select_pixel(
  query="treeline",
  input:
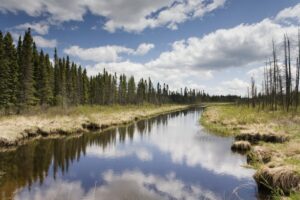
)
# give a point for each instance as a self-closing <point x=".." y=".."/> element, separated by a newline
<point x="280" y="84"/>
<point x="29" y="78"/>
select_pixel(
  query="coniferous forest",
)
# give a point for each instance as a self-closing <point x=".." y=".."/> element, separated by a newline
<point x="29" y="78"/>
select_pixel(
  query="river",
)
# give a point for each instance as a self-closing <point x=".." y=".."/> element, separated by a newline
<point x="167" y="157"/>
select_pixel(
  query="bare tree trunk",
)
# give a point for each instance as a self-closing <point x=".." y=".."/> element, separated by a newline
<point x="297" y="83"/>
<point x="290" y="74"/>
<point x="274" y="76"/>
<point x="297" y="73"/>
<point x="287" y="89"/>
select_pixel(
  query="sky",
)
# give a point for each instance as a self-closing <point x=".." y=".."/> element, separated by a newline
<point x="212" y="45"/>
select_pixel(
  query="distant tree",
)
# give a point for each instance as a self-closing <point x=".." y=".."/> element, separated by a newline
<point x="85" y="88"/>
<point x="131" y="90"/>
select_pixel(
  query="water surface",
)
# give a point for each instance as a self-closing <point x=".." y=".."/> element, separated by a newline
<point x="166" y="157"/>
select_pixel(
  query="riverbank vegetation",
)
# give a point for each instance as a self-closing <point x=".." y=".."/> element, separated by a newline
<point x="269" y="119"/>
<point x="277" y="160"/>
<point x="16" y="129"/>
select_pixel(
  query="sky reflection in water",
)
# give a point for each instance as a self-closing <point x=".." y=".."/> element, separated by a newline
<point x="168" y="157"/>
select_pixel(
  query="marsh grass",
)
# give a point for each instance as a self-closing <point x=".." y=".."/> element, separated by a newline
<point x="71" y="120"/>
<point x="233" y="120"/>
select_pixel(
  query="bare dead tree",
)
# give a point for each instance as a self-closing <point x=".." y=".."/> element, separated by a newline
<point x="274" y="88"/>
<point x="297" y="73"/>
<point x="253" y="92"/>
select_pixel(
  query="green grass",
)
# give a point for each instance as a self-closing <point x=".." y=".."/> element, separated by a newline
<point x="85" y="110"/>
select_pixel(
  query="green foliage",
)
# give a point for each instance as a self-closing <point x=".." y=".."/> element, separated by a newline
<point x="26" y="69"/>
<point x="28" y="78"/>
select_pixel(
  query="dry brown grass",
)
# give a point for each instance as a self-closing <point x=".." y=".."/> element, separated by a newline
<point x="277" y="134"/>
<point x="16" y="128"/>
<point x="259" y="154"/>
<point x="265" y="137"/>
<point x="241" y="146"/>
<point x="283" y="179"/>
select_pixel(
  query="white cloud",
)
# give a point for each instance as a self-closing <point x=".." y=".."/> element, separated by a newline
<point x="109" y="53"/>
<point x="291" y="13"/>
<point x="176" y="78"/>
<point x="131" y="16"/>
<point x="168" y="13"/>
<point x="44" y="43"/>
<point x="236" y="85"/>
<point x="234" y="47"/>
<point x="194" y="59"/>
<point x="41" y="28"/>
<point x="144" y="48"/>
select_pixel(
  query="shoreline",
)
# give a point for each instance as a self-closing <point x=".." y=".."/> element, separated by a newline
<point x="270" y="140"/>
<point x="18" y="130"/>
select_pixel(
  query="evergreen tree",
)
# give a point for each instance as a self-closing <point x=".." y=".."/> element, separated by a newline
<point x="36" y="72"/>
<point x="26" y="69"/>
<point x="44" y="81"/>
<point x="131" y="90"/>
<point x="10" y="55"/>
<point x="85" y="88"/>
<point x="50" y="79"/>
<point x="4" y="76"/>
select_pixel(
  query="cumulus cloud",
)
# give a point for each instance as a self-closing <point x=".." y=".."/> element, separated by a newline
<point x="236" y="85"/>
<point x="234" y="47"/>
<point x="109" y="53"/>
<point x="131" y="16"/>
<point x="41" y="28"/>
<point x="176" y="78"/>
<point x="44" y="43"/>
<point x="144" y="48"/>
<point x="291" y="13"/>
<point x="152" y="14"/>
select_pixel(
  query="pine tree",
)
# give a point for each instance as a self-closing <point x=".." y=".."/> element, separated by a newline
<point x="69" y="88"/>
<point x="85" y="86"/>
<point x="44" y="81"/>
<point x="36" y="73"/>
<point x="26" y="68"/>
<point x="4" y="76"/>
<point x="10" y="55"/>
<point x="131" y="90"/>
<point x="50" y="79"/>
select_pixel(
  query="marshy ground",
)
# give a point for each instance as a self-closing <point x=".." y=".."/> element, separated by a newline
<point x="275" y="144"/>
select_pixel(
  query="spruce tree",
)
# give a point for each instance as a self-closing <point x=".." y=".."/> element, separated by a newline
<point x="131" y="90"/>
<point x="10" y="55"/>
<point x="26" y="69"/>
<point x="4" y="76"/>
<point x="85" y="88"/>
<point x="36" y="73"/>
<point x="44" y="81"/>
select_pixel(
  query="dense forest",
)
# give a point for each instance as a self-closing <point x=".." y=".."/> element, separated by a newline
<point x="29" y="78"/>
<point x="280" y="84"/>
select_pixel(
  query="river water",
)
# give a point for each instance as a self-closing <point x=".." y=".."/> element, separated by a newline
<point x="166" y="157"/>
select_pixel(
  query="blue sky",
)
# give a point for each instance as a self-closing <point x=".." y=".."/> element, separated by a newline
<point x="215" y="45"/>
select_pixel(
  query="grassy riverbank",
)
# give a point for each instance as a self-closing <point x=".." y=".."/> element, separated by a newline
<point x="275" y="143"/>
<point x="16" y="129"/>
